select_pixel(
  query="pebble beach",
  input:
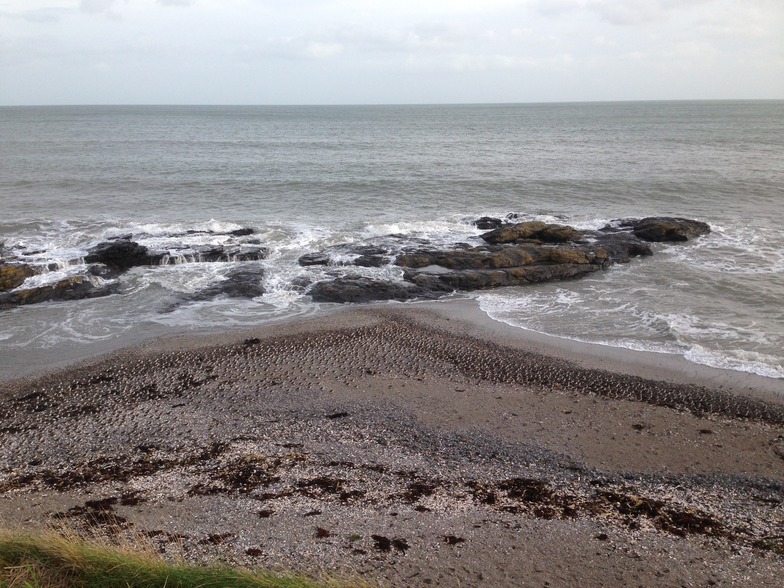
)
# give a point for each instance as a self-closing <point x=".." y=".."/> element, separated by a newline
<point x="407" y="445"/>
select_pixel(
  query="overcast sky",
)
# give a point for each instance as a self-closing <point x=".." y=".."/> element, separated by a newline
<point x="387" y="51"/>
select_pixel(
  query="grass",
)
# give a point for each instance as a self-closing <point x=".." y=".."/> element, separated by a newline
<point x="54" y="561"/>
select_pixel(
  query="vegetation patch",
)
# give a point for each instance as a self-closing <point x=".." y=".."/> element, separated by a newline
<point x="54" y="561"/>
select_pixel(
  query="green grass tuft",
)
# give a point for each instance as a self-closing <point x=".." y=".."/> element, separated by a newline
<point x="54" y="561"/>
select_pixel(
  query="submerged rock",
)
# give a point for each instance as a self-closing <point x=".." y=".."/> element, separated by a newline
<point x="366" y="256"/>
<point x="74" y="288"/>
<point x="240" y="282"/>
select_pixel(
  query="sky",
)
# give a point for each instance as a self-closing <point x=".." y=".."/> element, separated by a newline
<point x="388" y="51"/>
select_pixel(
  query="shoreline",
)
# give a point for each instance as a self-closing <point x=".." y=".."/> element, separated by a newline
<point x="461" y="314"/>
<point x="408" y="444"/>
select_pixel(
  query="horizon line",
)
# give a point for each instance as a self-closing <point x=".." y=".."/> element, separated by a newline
<point x="359" y="104"/>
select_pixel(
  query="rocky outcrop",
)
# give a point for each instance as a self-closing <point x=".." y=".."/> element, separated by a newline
<point x="348" y="254"/>
<point x="122" y="254"/>
<point x="216" y="253"/>
<point x="354" y="288"/>
<point x="532" y="230"/>
<point x="514" y="255"/>
<point x="13" y="275"/>
<point x="661" y="228"/>
<point x="73" y="288"/>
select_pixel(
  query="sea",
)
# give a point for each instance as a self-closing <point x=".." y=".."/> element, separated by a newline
<point x="308" y="178"/>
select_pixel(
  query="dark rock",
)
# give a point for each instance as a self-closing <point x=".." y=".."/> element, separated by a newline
<point x="532" y="230"/>
<point x="75" y="288"/>
<point x="491" y="257"/>
<point x="371" y="261"/>
<point x="242" y="232"/>
<point x="13" y="275"/>
<point x="101" y="271"/>
<point x="317" y="258"/>
<point x="621" y="247"/>
<point x="484" y="279"/>
<point x="214" y="253"/>
<point x="122" y="254"/>
<point x="660" y="229"/>
<point x="487" y="223"/>
<point x="367" y="256"/>
<point x="361" y="289"/>
<point x="241" y="282"/>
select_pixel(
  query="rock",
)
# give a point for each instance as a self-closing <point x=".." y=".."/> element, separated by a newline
<point x="122" y="254"/>
<point x="242" y="232"/>
<point x="371" y="261"/>
<point x="240" y="282"/>
<point x="367" y="256"/>
<point x="215" y="253"/>
<point x="317" y="258"/>
<point x="487" y="223"/>
<point x="487" y="257"/>
<point x="484" y="279"/>
<point x="362" y="289"/>
<point x="13" y="275"/>
<point x="532" y="230"/>
<point x="620" y="247"/>
<point x="660" y="229"/>
<point x="74" y="288"/>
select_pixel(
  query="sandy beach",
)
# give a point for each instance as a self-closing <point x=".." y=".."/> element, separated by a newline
<point x="408" y="445"/>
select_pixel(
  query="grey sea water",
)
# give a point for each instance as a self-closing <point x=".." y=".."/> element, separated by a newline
<point x="308" y="177"/>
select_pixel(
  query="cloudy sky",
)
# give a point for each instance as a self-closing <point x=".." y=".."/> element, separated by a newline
<point x="387" y="51"/>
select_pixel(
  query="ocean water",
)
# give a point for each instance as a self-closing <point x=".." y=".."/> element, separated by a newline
<point x="305" y="178"/>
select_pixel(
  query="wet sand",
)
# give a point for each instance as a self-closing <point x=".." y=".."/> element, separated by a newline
<point x="409" y="445"/>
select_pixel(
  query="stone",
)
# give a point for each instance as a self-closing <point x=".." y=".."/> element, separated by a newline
<point x="13" y="275"/>
<point x="371" y="261"/>
<point x="488" y="257"/>
<point x="218" y="253"/>
<point x="241" y="282"/>
<point x="244" y="232"/>
<point x="316" y="258"/>
<point x="121" y="254"/>
<point x="73" y="288"/>
<point x="362" y="289"/>
<point x="532" y="230"/>
<point x="367" y="256"/>
<point x="439" y="282"/>
<point x="487" y="223"/>
<point x="659" y="229"/>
